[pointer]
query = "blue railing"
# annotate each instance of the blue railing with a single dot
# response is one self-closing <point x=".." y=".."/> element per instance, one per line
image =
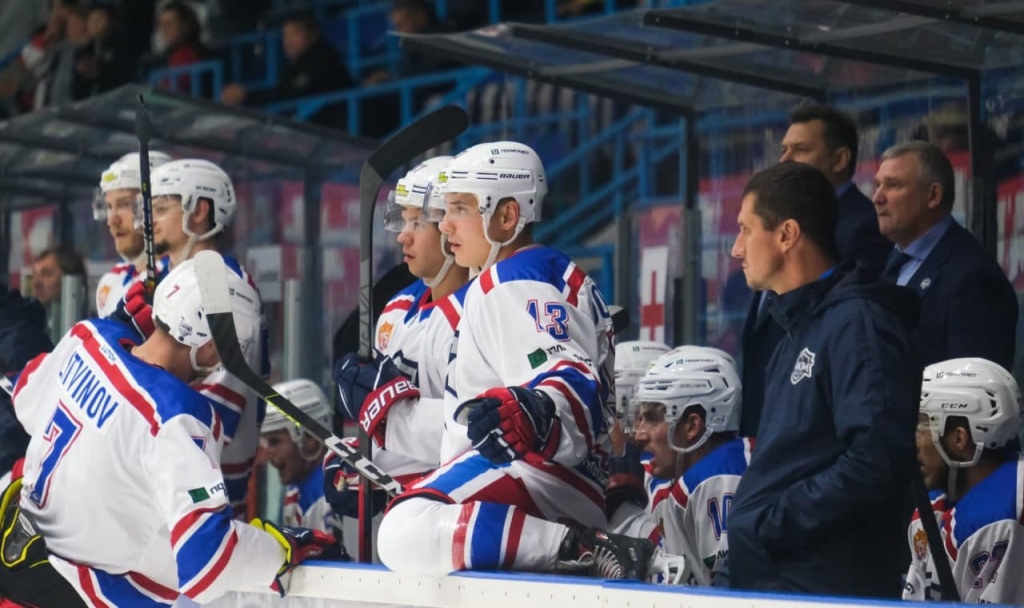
<point x="193" y="79"/>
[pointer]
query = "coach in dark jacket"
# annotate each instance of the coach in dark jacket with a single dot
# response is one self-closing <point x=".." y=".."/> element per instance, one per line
<point x="819" y="509"/>
<point x="826" y="139"/>
<point x="968" y="306"/>
<point x="22" y="337"/>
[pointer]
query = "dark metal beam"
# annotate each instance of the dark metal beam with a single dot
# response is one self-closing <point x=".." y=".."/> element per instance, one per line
<point x="624" y="49"/>
<point x="691" y="21"/>
<point x="988" y="18"/>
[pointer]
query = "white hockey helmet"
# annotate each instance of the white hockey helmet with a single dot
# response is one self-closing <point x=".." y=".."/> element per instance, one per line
<point x="309" y="398"/>
<point x="411" y="191"/>
<point x="124" y="174"/>
<point x="976" y="389"/>
<point x="178" y="304"/>
<point x="689" y="376"/>
<point x="493" y="172"/>
<point x="631" y="362"/>
<point x="193" y="179"/>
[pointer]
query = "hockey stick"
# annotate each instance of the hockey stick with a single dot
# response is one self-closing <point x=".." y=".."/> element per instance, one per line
<point x="5" y="383"/>
<point x="427" y="132"/>
<point x="931" y="530"/>
<point x="620" y="319"/>
<point x="216" y="296"/>
<point x="143" y="132"/>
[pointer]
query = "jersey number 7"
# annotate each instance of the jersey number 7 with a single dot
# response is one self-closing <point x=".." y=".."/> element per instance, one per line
<point x="61" y="432"/>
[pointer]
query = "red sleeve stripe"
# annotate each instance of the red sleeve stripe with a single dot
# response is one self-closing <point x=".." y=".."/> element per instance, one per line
<point x="29" y="369"/>
<point x="112" y="372"/>
<point x="224" y="395"/>
<point x="514" y="535"/>
<point x="211" y="575"/>
<point x="459" y="541"/>
<point x="487" y="280"/>
<point x="449" y="311"/>
<point x="148" y="585"/>
<point x="576" y="365"/>
<point x="85" y="580"/>
<point x="188" y="522"/>
<point x="573" y="284"/>
<point x="398" y="304"/>
<point x="579" y="412"/>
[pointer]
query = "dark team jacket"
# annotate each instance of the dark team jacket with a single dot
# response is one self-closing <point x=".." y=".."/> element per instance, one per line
<point x="819" y="509"/>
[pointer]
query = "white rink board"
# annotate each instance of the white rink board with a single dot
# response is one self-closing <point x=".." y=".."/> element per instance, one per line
<point x="364" y="586"/>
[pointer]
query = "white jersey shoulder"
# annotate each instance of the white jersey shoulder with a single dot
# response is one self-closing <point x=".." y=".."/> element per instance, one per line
<point x="537" y="320"/>
<point x="122" y="476"/>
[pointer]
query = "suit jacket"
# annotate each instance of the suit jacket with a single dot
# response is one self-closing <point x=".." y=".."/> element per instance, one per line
<point x="857" y="236"/>
<point x="968" y="307"/>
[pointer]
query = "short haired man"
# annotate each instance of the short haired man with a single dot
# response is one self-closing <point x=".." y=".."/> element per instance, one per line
<point x="968" y="306"/>
<point x="49" y="268"/>
<point x="826" y="139"/>
<point x="826" y="482"/>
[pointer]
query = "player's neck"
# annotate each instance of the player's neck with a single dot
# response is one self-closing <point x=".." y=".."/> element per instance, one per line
<point x="972" y="476"/>
<point x="522" y="241"/>
<point x="455" y="278"/>
<point x="713" y="443"/>
<point x="160" y="350"/>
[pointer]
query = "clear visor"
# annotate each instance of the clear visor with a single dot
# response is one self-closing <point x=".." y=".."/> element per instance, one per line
<point x="99" y="206"/>
<point x="393" y="221"/>
<point x="160" y="205"/>
<point x="433" y="205"/>
<point x="628" y="408"/>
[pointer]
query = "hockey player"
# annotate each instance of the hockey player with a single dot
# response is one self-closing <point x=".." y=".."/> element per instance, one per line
<point x="971" y="411"/>
<point x="122" y="478"/>
<point x="120" y="186"/>
<point x="688" y="407"/>
<point x="194" y="202"/>
<point x="530" y="377"/>
<point x="631" y="362"/>
<point x="297" y="456"/>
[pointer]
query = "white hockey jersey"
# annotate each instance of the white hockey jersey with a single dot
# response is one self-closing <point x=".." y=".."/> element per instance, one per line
<point x="537" y="320"/>
<point x="922" y="580"/>
<point x="305" y="506"/>
<point x="691" y="515"/>
<point x="418" y="334"/>
<point x="123" y="477"/>
<point x="983" y="535"/>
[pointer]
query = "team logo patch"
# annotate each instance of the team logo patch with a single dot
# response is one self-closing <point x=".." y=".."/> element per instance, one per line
<point x="101" y="296"/>
<point x="921" y="544"/>
<point x="536" y="358"/>
<point x="198" y="495"/>
<point x="384" y="335"/>
<point x="804" y="367"/>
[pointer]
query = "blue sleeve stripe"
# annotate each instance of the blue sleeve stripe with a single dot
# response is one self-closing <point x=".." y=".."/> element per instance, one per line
<point x="488" y="532"/>
<point x="201" y="548"/>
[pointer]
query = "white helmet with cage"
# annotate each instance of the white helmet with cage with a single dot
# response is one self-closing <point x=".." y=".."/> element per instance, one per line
<point x="123" y="174"/>
<point x="631" y="362"/>
<point x="193" y="179"/>
<point x="694" y="376"/>
<point x="493" y="172"/>
<point x="308" y="397"/>
<point x="976" y="389"/>
<point x="411" y="191"/>
<point x="178" y="305"/>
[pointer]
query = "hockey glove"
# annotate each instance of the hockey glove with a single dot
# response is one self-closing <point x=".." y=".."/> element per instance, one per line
<point x="369" y="389"/>
<point x="299" y="545"/>
<point x="139" y="309"/>
<point x="513" y="423"/>
<point x="341" y="486"/>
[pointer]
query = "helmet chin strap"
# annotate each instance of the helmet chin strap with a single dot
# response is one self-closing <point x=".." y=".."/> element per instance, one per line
<point x="449" y="259"/>
<point x="955" y="466"/>
<point x="496" y="246"/>
<point x="200" y="370"/>
<point x="703" y="439"/>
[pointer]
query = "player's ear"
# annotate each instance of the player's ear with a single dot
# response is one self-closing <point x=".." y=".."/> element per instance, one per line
<point x="507" y="214"/>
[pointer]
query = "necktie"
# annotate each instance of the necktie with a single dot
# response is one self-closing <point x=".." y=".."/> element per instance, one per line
<point x="894" y="264"/>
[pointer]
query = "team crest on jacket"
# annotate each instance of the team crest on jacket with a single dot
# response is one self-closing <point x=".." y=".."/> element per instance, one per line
<point x="920" y="544"/>
<point x="804" y="367"/>
<point x="384" y="335"/>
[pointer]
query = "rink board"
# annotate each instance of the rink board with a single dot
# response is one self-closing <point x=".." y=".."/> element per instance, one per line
<point x="357" y="585"/>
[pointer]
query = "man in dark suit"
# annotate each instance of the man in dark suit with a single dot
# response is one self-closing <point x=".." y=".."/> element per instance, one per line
<point x="826" y="139"/>
<point x="968" y="307"/>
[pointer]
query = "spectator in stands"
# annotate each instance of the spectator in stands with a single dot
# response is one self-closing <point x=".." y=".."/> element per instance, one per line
<point x="178" y="30"/>
<point x="313" y="67"/>
<point x="820" y="508"/>
<point x="826" y="139"/>
<point x="50" y="267"/>
<point x="968" y="307"/>
<point x="114" y="60"/>
<point x="59" y="57"/>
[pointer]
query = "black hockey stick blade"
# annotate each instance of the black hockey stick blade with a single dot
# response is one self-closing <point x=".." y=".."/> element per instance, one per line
<point x="5" y="383"/>
<point x="620" y="319"/>
<point x="144" y="132"/>
<point x="428" y="132"/>
<point x="213" y="285"/>
<point x="931" y="529"/>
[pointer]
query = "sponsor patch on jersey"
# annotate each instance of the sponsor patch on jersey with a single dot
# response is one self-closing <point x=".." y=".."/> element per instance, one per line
<point x="384" y="335"/>
<point x="921" y="544"/>
<point x="198" y="495"/>
<point x="537" y="358"/>
<point x="804" y="367"/>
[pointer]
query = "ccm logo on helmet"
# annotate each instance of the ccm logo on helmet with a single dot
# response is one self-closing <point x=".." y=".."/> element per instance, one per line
<point x="953" y="406"/>
<point x="385" y="396"/>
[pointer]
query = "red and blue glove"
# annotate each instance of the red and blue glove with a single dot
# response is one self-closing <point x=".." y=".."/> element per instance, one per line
<point x="368" y="389"/>
<point x="300" y="544"/>
<point x="139" y="308"/>
<point x="512" y="423"/>
<point x="341" y="486"/>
